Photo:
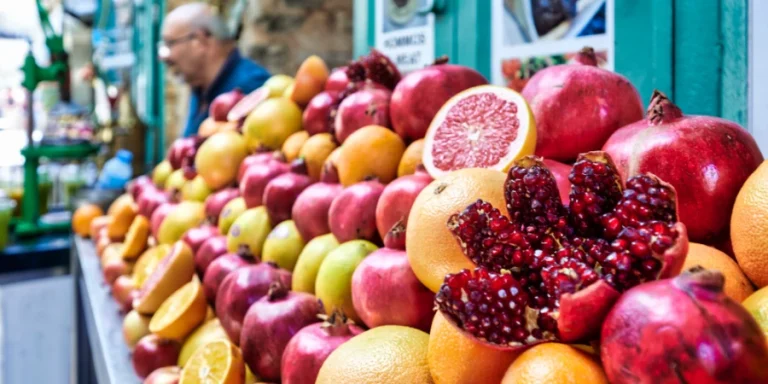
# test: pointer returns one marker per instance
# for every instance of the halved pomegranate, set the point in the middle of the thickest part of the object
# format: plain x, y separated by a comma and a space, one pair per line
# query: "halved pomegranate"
550, 272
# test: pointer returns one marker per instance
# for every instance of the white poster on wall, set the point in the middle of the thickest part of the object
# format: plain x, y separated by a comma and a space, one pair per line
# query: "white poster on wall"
528, 35
405, 34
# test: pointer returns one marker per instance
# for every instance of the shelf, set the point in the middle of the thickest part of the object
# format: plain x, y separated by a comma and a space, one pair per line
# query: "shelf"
103, 323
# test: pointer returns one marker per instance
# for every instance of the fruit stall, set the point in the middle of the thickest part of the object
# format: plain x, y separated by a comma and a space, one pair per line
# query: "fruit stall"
438, 211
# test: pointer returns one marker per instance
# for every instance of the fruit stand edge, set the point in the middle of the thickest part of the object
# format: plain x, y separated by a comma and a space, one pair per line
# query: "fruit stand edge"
99, 317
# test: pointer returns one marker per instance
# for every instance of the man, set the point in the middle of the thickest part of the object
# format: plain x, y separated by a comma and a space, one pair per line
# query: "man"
197, 47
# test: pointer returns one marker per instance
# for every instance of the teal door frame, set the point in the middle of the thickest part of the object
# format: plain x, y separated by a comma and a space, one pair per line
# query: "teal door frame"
693, 50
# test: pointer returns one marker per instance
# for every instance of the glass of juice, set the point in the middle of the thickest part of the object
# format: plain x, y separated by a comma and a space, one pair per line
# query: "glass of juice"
6, 211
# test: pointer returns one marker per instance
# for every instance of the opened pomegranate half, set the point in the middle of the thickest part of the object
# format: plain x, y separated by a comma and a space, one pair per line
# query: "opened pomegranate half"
551, 272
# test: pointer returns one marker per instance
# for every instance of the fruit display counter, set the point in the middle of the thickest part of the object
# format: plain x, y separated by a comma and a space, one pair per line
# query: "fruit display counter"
360, 226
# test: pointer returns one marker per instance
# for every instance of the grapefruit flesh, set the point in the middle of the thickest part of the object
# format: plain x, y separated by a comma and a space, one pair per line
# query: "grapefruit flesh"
247, 104
482, 127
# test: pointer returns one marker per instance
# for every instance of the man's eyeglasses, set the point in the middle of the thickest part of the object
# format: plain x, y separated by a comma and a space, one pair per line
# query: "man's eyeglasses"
164, 46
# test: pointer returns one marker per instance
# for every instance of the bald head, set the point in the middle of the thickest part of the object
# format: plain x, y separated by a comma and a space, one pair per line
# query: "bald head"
196, 42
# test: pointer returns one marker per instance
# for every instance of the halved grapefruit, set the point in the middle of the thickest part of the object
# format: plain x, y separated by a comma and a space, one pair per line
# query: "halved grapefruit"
482, 127
247, 104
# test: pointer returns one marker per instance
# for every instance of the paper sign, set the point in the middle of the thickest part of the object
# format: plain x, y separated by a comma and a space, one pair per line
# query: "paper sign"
404, 34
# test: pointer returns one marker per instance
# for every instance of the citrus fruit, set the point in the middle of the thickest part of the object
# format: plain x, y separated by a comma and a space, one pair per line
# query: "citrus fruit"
121, 220
293, 144
209, 331
136, 238
310, 259
278, 84
432, 250
181, 312
135, 326
455, 358
161, 172
195, 190
737, 286
175, 182
170, 274
186, 215
333, 285
757, 305
386, 354
248, 103
315, 151
247, 234
283, 245
482, 127
219, 157
411, 158
218, 362
121, 201
310, 80
749, 226
371, 151
147, 263
270, 124
82, 218
330, 167
231, 211
554, 363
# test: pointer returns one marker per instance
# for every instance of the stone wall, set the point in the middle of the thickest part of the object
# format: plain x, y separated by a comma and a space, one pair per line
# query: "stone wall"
279, 34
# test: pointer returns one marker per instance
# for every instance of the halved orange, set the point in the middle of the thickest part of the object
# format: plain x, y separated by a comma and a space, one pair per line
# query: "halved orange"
136, 238
170, 274
487, 126
219, 362
181, 312
209, 331
147, 263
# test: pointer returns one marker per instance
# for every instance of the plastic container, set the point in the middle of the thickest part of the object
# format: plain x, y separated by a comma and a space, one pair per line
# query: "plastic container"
117, 171
6, 211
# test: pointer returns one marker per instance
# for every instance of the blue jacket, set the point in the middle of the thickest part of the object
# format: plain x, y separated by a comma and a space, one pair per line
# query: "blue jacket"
237, 72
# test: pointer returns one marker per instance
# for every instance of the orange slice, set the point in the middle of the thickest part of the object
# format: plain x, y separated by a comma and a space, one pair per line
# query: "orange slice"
204, 334
136, 238
181, 312
147, 263
218, 362
482, 127
171, 273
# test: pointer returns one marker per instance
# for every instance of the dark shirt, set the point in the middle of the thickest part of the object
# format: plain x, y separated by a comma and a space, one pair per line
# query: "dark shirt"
237, 72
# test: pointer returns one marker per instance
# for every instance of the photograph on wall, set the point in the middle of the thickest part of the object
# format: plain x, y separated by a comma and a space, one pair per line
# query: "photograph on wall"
529, 35
405, 34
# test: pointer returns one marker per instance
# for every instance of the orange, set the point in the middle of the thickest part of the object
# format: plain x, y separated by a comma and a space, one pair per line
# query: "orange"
554, 363
432, 249
277, 85
371, 151
385, 354
147, 263
121, 201
173, 271
737, 286
293, 144
315, 152
757, 305
136, 238
218, 362
121, 220
749, 226
486, 126
83, 217
309, 81
411, 158
270, 124
454, 358
181, 312
330, 168
209, 331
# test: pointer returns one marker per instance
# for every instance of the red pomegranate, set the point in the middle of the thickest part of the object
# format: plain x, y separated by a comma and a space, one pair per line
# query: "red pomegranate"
123, 291
395, 204
216, 202
153, 352
352, 214
385, 291
706, 159
561, 172
195, 237
221, 104
209, 251
311, 346
137, 186
240, 289
556, 271
682, 330
281, 193
310, 211
218, 270
317, 115
150, 200
577, 107
255, 181
420, 94
181, 149
369, 106
270, 324
375, 67
337, 81
258, 158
